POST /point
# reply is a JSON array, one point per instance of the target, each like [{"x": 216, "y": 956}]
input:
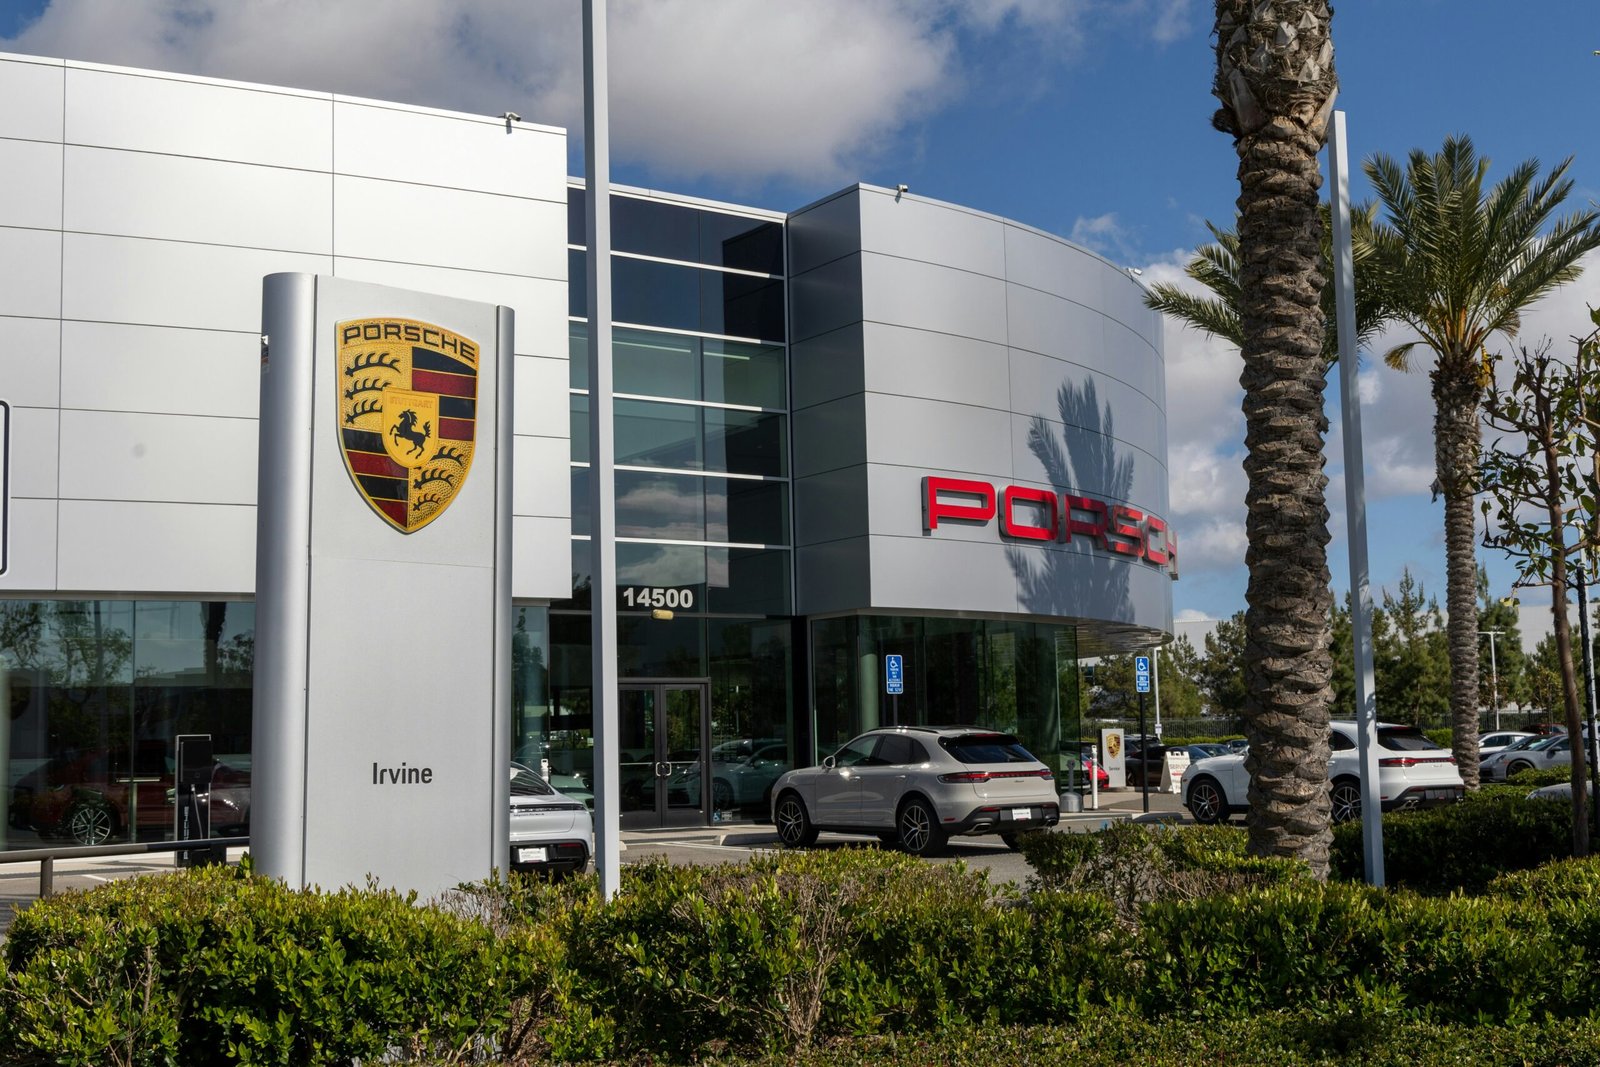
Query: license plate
[
  {"x": 532, "y": 855},
  {"x": 1018, "y": 814}
]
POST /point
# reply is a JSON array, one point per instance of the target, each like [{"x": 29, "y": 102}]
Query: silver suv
[
  {"x": 917, "y": 786},
  {"x": 1413, "y": 772}
]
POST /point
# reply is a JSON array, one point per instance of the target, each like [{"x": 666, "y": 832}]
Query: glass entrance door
[{"x": 663, "y": 754}]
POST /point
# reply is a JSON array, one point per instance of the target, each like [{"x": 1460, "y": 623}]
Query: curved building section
[{"x": 979, "y": 422}]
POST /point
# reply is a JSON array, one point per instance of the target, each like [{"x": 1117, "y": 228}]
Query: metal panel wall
[
  {"x": 143, "y": 210},
  {"x": 984, "y": 350}
]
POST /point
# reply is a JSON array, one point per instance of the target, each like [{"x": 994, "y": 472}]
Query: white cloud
[
  {"x": 1212, "y": 544},
  {"x": 1102, "y": 234},
  {"x": 745, "y": 91}
]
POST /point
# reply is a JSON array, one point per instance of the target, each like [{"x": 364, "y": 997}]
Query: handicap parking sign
[
  {"x": 1141, "y": 673},
  {"x": 894, "y": 678}
]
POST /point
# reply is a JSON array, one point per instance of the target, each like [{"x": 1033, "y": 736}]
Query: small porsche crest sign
[{"x": 407, "y": 415}]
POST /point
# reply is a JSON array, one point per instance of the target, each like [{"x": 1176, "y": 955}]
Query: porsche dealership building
[{"x": 874, "y": 425}]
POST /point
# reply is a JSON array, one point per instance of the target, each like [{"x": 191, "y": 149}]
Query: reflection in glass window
[
  {"x": 577, "y": 223},
  {"x": 649, "y": 434},
  {"x": 655, "y": 228},
  {"x": 746, "y": 442},
  {"x": 739, "y": 373},
  {"x": 98, "y": 691},
  {"x": 579, "y": 406},
  {"x": 578, "y": 283},
  {"x": 667, "y": 506},
  {"x": 741, "y": 243},
  {"x": 668, "y": 566},
  {"x": 655, "y": 294},
  {"x": 655, "y": 364},
  {"x": 740, "y": 305},
  {"x": 578, "y": 355}
]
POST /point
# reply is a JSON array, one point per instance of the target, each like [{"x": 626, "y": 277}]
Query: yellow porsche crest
[{"x": 408, "y": 394}]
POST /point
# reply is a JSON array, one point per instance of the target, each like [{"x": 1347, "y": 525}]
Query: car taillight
[
  {"x": 965, "y": 776},
  {"x": 1414, "y": 761}
]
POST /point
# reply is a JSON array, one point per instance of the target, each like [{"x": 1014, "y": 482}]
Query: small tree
[{"x": 1544, "y": 485}]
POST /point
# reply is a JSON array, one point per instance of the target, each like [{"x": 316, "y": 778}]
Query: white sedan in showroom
[
  {"x": 1412, "y": 772},
  {"x": 918, "y": 786}
]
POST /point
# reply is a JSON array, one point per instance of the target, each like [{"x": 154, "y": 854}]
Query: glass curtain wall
[
  {"x": 1018, "y": 677},
  {"x": 98, "y": 691},
  {"x": 700, "y": 372}
]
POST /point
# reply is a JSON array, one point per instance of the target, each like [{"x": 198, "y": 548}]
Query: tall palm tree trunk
[
  {"x": 1277, "y": 85},
  {"x": 1456, "y": 397},
  {"x": 1287, "y": 661}
]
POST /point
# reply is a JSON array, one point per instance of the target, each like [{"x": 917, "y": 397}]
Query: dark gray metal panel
[
  {"x": 826, "y": 367},
  {"x": 833, "y": 576},
  {"x": 831, "y": 506},
  {"x": 825, "y": 298},
  {"x": 829, "y": 436},
  {"x": 825, "y": 231}
]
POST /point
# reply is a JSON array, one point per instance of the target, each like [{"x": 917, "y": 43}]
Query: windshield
[
  {"x": 1403, "y": 739},
  {"x": 527, "y": 783}
]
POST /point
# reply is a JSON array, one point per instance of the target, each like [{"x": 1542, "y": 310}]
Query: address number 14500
[{"x": 656, "y": 597}]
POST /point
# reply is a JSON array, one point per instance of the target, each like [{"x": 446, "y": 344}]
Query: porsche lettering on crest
[{"x": 407, "y": 415}]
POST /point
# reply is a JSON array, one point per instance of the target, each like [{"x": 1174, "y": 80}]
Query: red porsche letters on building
[{"x": 1031, "y": 514}]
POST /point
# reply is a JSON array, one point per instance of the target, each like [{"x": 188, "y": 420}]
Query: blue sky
[{"x": 1086, "y": 118}]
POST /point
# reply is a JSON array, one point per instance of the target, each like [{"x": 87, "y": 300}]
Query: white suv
[
  {"x": 918, "y": 786},
  {"x": 1413, "y": 772}
]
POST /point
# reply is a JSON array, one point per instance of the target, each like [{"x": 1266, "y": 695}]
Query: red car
[{"x": 91, "y": 796}]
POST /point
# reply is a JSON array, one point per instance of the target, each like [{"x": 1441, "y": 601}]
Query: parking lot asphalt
[{"x": 722, "y": 843}]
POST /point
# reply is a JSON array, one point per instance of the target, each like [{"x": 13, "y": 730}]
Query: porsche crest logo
[{"x": 407, "y": 415}]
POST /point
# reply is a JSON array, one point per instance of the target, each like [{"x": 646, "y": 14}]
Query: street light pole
[{"x": 1494, "y": 675}]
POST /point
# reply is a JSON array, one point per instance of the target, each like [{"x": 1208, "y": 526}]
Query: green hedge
[
  {"x": 1461, "y": 847},
  {"x": 1308, "y": 1038},
  {"x": 1167, "y": 946},
  {"x": 215, "y": 966}
]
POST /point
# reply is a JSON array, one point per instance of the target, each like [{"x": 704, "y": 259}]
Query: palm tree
[
  {"x": 1458, "y": 263},
  {"x": 1216, "y": 266},
  {"x": 1276, "y": 82}
]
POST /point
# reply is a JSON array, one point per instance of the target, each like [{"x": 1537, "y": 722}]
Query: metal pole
[
  {"x": 1494, "y": 676},
  {"x": 1144, "y": 757},
  {"x": 602, "y": 495},
  {"x": 1355, "y": 498}
]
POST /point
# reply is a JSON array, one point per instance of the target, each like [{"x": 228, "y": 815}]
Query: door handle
[{"x": 663, "y": 769}]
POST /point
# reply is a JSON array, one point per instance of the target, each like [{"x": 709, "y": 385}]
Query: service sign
[{"x": 1114, "y": 757}]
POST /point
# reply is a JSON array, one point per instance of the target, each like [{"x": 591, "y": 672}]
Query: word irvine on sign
[
  {"x": 402, "y": 775},
  {"x": 1032, "y": 514}
]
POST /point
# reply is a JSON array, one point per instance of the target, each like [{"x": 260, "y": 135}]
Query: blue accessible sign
[
  {"x": 894, "y": 675},
  {"x": 1141, "y": 673}
]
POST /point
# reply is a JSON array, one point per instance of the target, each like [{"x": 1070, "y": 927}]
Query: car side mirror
[{"x": 827, "y": 763}]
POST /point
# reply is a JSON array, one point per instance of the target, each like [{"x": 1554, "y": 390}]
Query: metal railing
[{"x": 46, "y": 857}]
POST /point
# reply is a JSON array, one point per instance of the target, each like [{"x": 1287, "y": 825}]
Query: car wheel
[
  {"x": 794, "y": 825},
  {"x": 721, "y": 795},
  {"x": 920, "y": 833},
  {"x": 1346, "y": 797},
  {"x": 90, "y": 824},
  {"x": 1012, "y": 838},
  {"x": 1518, "y": 767},
  {"x": 1207, "y": 803}
]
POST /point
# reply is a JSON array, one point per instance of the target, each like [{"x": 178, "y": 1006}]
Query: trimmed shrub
[
  {"x": 1130, "y": 863},
  {"x": 1539, "y": 776},
  {"x": 212, "y": 965},
  {"x": 1327, "y": 1037},
  {"x": 767, "y": 955},
  {"x": 1461, "y": 847}
]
